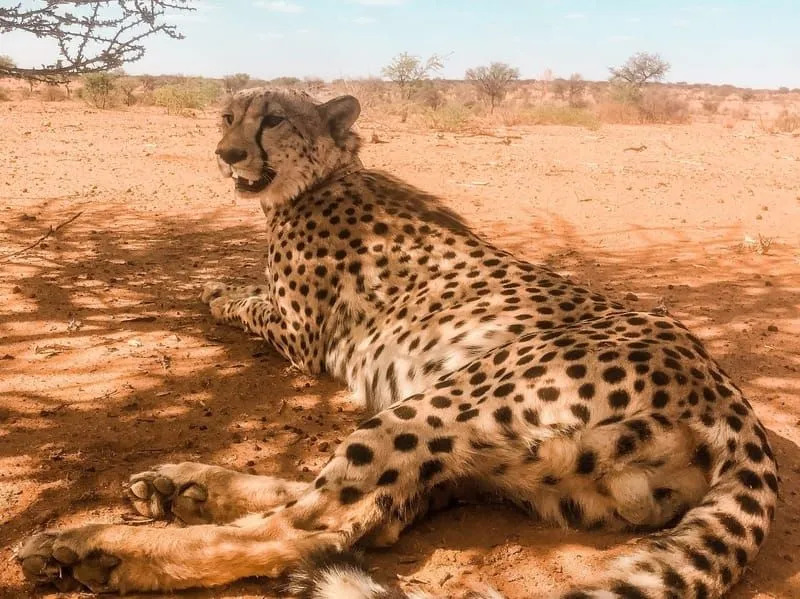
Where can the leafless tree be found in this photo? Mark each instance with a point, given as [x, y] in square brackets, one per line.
[493, 81]
[409, 71]
[92, 36]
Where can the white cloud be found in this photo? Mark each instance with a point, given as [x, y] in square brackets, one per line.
[302, 31]
[280, 6]
[620, 38]
[380, 2]
[364, 20]
[575, 15]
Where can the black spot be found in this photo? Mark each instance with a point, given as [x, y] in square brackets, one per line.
[434, 422]
[702, 457]
[441, 445]
[349, 495]
[641, 428]
[754, 452]
[771, 481]
[405, 412]
[531, 416]
[673, 580]
[586, 462]
[504, 390]
[430, 468]
[626, 444]
[572, 511]
[405, 442]
[534, 372]
[614, 374]
[734, 422]
[441, 402]
[359, 454]
[659, 378]
[660, 399]
[639, 356]
[758, 534]
[731, 524]
[715, 544]
[503, 415]
[580, 412]
[548, 393]
[626, 590]
[320, 482]
[371, 423]
[700, 590]
[388, 477]
[741, 557]
[749, 505]
[467, 415]
[749, 479]
[699, 560]
[576, 371]
[586, 391]
[618, 398]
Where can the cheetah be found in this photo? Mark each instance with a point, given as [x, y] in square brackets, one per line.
[477, 370]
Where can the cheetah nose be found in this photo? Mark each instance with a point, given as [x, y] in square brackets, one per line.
[232, 155]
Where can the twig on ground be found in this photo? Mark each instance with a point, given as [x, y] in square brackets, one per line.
[50, 231]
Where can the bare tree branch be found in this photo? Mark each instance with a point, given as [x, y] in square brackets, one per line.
[92, 36]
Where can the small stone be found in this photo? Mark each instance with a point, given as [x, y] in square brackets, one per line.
[631, 297]
[324, 446]
[772, 328]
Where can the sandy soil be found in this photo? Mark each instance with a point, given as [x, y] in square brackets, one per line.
[110, 364]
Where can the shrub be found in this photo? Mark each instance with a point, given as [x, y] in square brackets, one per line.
[52, 93]
[450, 117]
[659, 106]
[4, 95]
[126, 87]
[192, 95]
[98, 89]
[786, 122]
[549, 114]
[711, 106]
[233, 83]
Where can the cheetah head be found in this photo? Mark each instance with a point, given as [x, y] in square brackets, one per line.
[277, 144]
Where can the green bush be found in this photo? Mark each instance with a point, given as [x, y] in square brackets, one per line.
[193, 94]
[98, 89]
[450, 117]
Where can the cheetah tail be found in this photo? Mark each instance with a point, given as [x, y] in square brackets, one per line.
[708, 550]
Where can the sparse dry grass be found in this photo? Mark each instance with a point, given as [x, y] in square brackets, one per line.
[453, 106]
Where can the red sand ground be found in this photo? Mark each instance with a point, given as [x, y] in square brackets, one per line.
[110, 364]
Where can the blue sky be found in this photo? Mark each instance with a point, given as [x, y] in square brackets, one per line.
[746, 43]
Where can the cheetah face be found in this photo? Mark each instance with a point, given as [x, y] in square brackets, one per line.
[280, 143]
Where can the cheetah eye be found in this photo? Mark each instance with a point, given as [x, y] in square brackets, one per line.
[228, 118]
[271, 120]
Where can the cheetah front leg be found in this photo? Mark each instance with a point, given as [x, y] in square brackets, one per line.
[113, 558]
[203, 494]
[378, 481]
[247, 306]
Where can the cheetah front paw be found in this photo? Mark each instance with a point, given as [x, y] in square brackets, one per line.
[213, 290]
[64, 560]
[172, 490]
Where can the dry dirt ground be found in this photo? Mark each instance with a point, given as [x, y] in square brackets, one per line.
[110, 364]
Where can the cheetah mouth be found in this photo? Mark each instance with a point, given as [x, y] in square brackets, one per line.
[254, 186]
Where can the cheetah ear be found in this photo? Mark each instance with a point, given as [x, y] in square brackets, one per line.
[340, 114]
